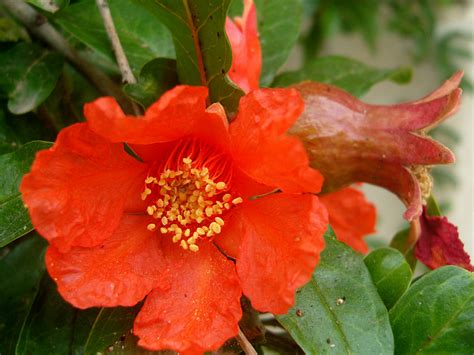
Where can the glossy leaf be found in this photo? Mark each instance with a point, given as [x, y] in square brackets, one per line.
[345, 73]
[21, 270]
[18, 130]
[339, 310]
[65, 105]
[390, 273]
[279, 24]
[143, 37]
[84, 321]
[203, 52]
[28, 75]
[401, 242]
[111, 327]
[155, 78]
[436, 315]
[52, 324]
[14, 220]
[50, 5]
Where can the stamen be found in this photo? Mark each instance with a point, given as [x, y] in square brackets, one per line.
[186, 200]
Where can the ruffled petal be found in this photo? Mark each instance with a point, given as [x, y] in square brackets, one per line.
[77, 190]
[179, 113]
[351, 216]
[261, 147]
[439, 243]
[246, 52]
[200, 310]
[120, 271]
[282, 238]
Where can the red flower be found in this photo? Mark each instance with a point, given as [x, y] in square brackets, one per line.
[350, 214]
[246, 53]
[350, 141]
[169, 228]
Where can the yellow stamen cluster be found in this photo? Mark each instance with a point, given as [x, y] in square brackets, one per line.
[188, 204]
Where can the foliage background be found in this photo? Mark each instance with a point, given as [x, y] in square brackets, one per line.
[380, 33]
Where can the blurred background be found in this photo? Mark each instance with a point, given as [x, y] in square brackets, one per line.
[432, 37]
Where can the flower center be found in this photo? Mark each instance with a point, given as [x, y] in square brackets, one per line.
[187, 203]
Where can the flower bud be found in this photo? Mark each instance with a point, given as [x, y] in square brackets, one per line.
[350, 141]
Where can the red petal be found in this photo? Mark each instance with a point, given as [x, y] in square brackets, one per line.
[200, 310]
[246, 52]
[178, 113]
[351, 216]
[439, 243]
[119, 272]
[261, 147]
[76, 191]
[350, 141]
[282, 237]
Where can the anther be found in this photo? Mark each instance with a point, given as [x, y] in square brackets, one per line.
[150, 210]
[149, 180]
[151, 227]
[215, 227]
[237, 200]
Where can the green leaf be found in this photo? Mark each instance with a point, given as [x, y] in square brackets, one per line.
[65, 105]
[50, 5]
[432, 206]
[18, 130]
[127, 345]
[14, 220]
[401, 242]
[21, 269]
[345, 73]
[84, 321]
[436, 315]
[390, 273]
[143, 37]
[203, 52]
[155, 78]
[110, 328]
[28, 75]
[52, 324]
[279, 24]
[10, 31]
[339, 310]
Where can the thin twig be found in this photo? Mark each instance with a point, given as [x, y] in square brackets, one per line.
[122, 61]
[38, 25]
[245, 344]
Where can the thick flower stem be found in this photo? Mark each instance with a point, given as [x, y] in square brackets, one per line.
[245, 344]
[39, 27]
